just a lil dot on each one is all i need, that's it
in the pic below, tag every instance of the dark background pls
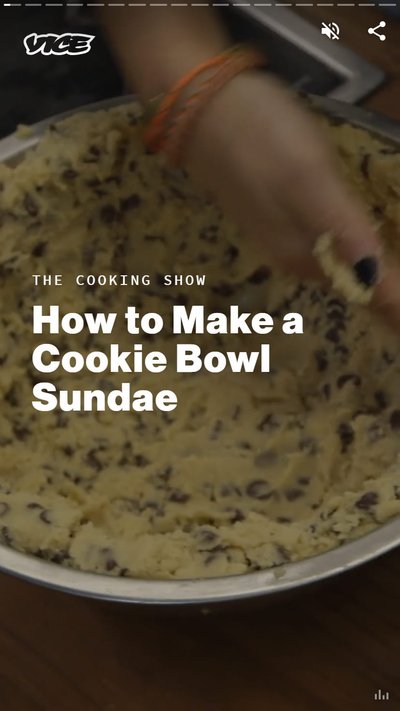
(35, 87)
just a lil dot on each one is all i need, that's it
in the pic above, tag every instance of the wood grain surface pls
(329, 648)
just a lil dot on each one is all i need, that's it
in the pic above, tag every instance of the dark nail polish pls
(366, 271)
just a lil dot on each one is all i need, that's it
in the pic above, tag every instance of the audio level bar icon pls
(381, 695)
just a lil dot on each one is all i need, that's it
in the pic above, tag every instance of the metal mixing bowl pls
(251, 585)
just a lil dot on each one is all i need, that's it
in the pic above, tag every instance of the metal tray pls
(215, 590)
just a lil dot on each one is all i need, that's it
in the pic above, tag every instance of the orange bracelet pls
(169, 127)
(184, 121)
(154, 131)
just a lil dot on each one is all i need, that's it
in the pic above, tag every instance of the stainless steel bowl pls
(203, 592)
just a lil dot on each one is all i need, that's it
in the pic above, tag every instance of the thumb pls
(358, 244)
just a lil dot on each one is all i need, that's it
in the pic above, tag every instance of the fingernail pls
(366, 271)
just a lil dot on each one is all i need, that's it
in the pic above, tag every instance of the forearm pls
(155, 47)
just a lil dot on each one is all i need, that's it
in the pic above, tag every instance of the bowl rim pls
(204, 591)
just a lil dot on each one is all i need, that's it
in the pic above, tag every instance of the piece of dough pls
(339, 273)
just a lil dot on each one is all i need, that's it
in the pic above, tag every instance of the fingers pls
(325, 206)
(359, 245)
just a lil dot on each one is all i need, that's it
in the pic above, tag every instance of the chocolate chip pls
(388, 358)
(236, 412)
(45, 516)
(259, 489)
(283, 554)
(337, 304)
(155, 238)
(140, 460)
(108, 214)
(110, 564)
(216, 430)
(309, 445)
(68, 450)
(395, 420)
(131, 202)
(181, 300)
(326, 390)
(93, 461)
(236, 515)
(264, 458)
(322, 360)
(11, 397)
(209, 234)
(230, 255)
(269, 422)
(69, 174)
(293, 494)
(4, 508)
(343, 350)
(154, 506)
(388, 150)
(346, 434)
(364, 165)
(59, 557)
(333, 335)
(284, 519)
(203, 258)
(367, 500)
(127, 504)
(348, 378)
(375, 432)
(178, 497)
(206, 538)
(30, 205)
(303, 480)
(223, 289)
(34, 505)
(21, 432)
(61, 419)
(259, 275)
(39, 249)
(165, 474)
(381, 400)
(214, 553)
(6, 535)
(230, 490)
(114, 179)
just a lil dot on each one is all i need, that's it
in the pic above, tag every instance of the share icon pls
(373, 31)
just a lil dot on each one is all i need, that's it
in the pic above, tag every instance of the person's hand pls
(263, 157)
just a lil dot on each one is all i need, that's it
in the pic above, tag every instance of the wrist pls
(155, 50)
(215, 135)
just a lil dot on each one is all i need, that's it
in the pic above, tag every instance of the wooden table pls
(327, 649)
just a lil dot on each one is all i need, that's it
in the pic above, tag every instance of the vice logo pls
(70, 43)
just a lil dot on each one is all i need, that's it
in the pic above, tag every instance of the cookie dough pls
(251, 470)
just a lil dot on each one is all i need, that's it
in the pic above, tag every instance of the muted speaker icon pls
(331, 30)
